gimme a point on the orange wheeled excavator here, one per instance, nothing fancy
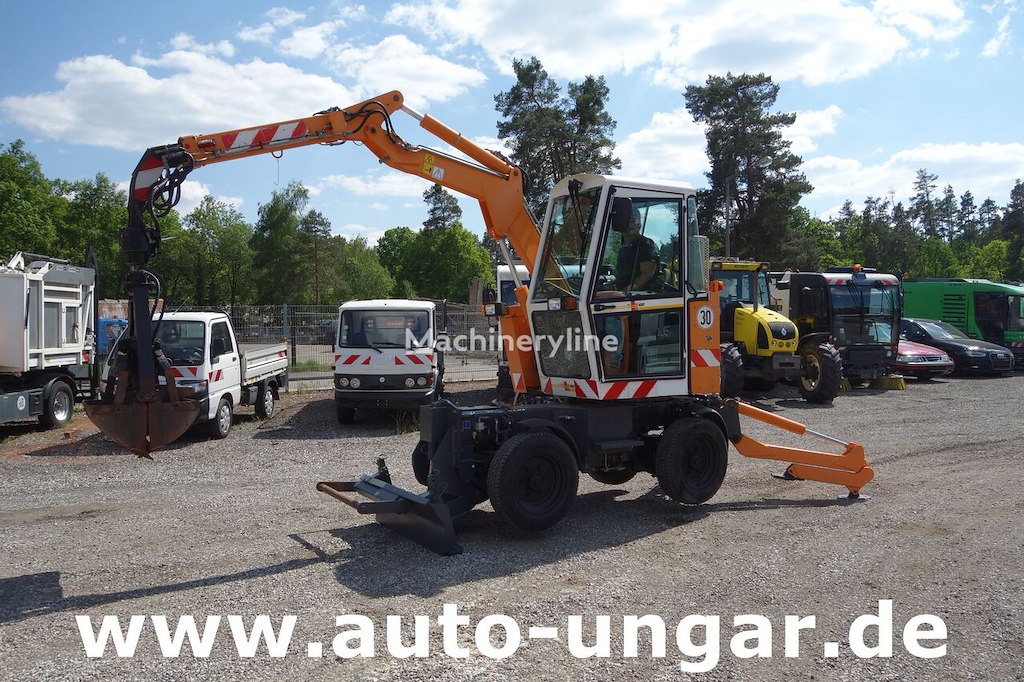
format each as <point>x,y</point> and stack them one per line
<point>613,347</point>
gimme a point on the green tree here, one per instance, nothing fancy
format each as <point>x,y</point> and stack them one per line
<point>356,271</point>
<point>95,214</point>
<point>750,156</point>
<point>923,206</point>
<point>442,208</point>
<point>30,208</point>
<point>1012,228</point>
<point>314,231</point>
<point>395,251</point>
<point>553,135</point>
<point>451,259</point>
<point>989,262</point>
<point>277,256</point>
<point>813,244</point>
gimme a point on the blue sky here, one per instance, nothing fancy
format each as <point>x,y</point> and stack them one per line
<point>880,88</point>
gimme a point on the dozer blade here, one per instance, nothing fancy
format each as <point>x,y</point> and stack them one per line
<point>142,427</point>
<point>415,516</point>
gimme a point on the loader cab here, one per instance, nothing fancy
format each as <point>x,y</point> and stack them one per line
<point>609,301</point>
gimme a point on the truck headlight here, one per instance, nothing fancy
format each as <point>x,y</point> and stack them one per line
<point>342,382</point>
<point>200,386</point>
<point>409,382</point>
<point>421,382</point>
<point>354,383</point>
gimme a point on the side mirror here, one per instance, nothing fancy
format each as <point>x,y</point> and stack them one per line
<point>622,211</point>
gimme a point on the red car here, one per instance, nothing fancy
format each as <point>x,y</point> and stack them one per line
<point>920,361</point>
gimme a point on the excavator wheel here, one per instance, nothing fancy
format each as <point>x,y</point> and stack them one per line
<point>823,377</point>
<point>732,371</point>
<point>421,462</point>
<point>532,481</point>
<point>691,460</point>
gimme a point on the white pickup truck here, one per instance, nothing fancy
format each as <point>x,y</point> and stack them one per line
<point>205,356</point>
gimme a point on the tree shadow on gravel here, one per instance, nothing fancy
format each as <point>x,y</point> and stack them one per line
<point>382,563</point>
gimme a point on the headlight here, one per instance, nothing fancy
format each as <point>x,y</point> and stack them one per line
<point>904,358</point>
<point>342,382</point>
<point>422,381</point>
<point>410,382</point>
<point>944,358</point>
<point>200,386</point>
<point>975,354</point>
<point>354,383</point>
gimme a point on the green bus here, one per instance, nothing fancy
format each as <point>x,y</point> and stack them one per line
<point>978,307</point>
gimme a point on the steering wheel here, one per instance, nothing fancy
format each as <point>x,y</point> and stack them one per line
<point>190,354</point>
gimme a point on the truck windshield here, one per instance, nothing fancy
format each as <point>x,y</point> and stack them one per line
<point>385,329</point>
<point>865,313</point>
<point>565,251</point>
<point>182,341</point>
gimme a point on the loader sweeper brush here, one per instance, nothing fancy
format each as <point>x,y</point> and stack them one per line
<point>527,460</point>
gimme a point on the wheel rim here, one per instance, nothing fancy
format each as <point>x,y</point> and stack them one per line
<point>61,406</point>
<point>224,418</point>
<point>268,402</point>
<point>810,382</point>
<point>538,485</point>
<point>698,465</point>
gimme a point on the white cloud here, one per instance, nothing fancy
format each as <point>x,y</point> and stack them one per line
<point>810,125</point>
<point>683,40</point>
<point>192,194</point>
<point>310,41</point>
<point>277,17</point>
<point>184,41</point>
<point>1000,40</point>
<point>987,169</point>
<point>283,16</point>
<point>671,146</point>
<point>397,63</point>
<point>106,102</point>
<point>386,184</point>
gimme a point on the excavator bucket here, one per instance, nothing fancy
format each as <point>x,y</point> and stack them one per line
<point>413,515</point>
<point>142,427</point>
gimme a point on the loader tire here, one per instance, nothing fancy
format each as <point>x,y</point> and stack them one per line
<point>532,481</point>
<point>732,371</point>
<point>220,425</point>
<point>691,460</point>
<point>421,462</point>
<point>823,373</point>
<point>58,405</point>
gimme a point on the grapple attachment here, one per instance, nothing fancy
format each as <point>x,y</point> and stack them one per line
<point>142,427</point>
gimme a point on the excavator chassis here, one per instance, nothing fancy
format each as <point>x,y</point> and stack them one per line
<point>611,441</point>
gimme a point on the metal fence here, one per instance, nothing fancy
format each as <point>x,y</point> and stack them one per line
<point>310,332</point>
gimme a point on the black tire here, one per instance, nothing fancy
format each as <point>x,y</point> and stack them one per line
<point>732,371</point>
<point>58,405</point>
<point>220,425</point>
<point>265,402</point>
<point>346,415</point>
<point>613,476</point>
<point>421,462</point>
<point>691,460</point>
<point>532,481</point>
<point>823,373</point>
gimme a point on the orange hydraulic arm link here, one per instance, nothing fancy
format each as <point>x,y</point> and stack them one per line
<point>495,183</point>
<point>848,468</point>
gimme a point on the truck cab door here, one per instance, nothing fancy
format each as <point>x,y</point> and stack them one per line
<point>224,374</point>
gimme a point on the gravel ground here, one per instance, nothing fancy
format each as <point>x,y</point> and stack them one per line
<point>235,527</point>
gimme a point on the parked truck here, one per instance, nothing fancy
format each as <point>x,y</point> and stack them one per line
<point>856,310</point>
<point>385,356</point>
<point>982,309</point>
<point>47,339</point>
<point>205,358</point>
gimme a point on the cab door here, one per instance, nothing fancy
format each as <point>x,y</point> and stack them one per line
<point>636,298</point>
<point>224,372</point>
